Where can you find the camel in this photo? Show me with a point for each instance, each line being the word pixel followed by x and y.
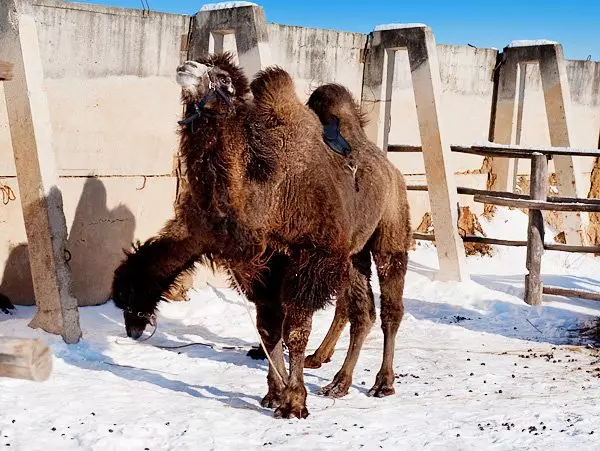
pixel 293 223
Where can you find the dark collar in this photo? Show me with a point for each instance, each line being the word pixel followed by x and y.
pixel 200 110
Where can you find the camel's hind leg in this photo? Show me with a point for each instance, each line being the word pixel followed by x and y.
pixel 362 262
pixel 325 351
pixel 391 268
pixel 360 304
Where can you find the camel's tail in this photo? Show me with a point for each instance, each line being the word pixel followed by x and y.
pixel 273 90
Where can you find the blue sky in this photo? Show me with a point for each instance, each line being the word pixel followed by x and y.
pixel 573 23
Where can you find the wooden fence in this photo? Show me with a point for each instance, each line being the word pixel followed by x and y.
pixel 536 202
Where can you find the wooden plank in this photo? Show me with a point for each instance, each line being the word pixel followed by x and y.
pixel 571 248
pixel 5 71
pixel 424 236
pixel 495 241
pixel 416 187
pixel 403 148
pixel 507 151
pixel 478 192
pixel 22 358
pixel 504 194
pixel 535 231
pixel 473 239
pixel 548 151
pixel 538 204
pixel 493 151
pixel 580 294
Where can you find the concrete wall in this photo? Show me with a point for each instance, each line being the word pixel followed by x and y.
pixel 315 56
pixel 114 106
pixel 467 87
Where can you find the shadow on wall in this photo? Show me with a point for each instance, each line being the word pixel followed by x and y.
pixel 96 241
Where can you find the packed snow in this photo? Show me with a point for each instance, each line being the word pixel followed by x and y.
pixel 476 369
pixel 398 26
pixel 225 5
pixel 529 43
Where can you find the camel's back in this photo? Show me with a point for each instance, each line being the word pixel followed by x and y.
pixel 316 187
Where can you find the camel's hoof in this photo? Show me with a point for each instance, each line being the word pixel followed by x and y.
pixel 271 400
pixel 312 362
pixel 384 385
pixel 382 390
pixel 288 411
pixel 338 387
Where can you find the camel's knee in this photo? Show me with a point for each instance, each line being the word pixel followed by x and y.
pixel 359 298
pixel 392 310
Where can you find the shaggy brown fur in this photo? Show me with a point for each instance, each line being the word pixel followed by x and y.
pixel 289 218
pixel 389 245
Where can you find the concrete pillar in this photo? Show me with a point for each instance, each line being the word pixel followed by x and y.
pixel 377 86
pixel 506 122
pixel 557 98
pixel 244 28
pixel 41 198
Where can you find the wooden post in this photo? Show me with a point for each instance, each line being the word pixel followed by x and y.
pixel 22 358
pixel 37 175
pixel 535 231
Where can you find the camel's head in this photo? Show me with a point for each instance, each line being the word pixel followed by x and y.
pixel 136 295
pixel 213 83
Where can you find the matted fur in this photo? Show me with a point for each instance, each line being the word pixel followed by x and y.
pixel 271 203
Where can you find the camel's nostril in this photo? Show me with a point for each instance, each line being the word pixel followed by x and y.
pixel 134 332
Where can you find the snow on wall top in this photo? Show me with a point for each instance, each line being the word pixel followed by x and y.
pixel 526 43
pixel 225 5
pixel 398 26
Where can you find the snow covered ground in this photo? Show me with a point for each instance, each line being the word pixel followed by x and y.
pixel 477 369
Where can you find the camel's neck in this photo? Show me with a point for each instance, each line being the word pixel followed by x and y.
pixel 212 154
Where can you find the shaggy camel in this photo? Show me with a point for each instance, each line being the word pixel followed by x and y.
pixel 292 222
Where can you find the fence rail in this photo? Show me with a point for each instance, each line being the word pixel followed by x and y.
pixel 536 202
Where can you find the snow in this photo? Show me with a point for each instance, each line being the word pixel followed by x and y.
pixel 529 43
pixel 225 5
pixel 398 26
pixel 477 369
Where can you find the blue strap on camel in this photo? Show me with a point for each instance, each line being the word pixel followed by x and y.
pixel 334 139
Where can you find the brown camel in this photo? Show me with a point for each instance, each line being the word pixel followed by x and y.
pixel 291 220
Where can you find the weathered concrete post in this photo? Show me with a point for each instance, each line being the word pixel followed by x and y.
pixel 506 121
pixel 41 199
pixel 557 98
pixel 217 30
pixel 379 70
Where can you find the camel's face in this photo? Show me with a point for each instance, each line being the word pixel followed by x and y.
pixel 137 312
pixel 198 81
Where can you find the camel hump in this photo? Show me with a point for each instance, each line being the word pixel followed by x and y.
pixel 273 86
pixel 334 100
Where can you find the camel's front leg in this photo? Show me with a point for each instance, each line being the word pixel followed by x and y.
pixel 296 330
pixel 313 277
pixel 149 271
